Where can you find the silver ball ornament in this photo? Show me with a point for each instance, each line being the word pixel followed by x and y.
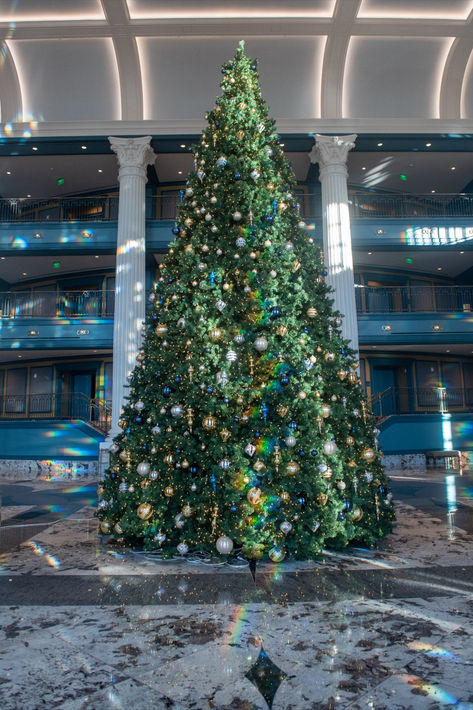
pixel 143 468
pixel 329 448
pixel 139 406
pixel 182 548
pixel 290 440
pixel 177 411
pixel 285 527
pixel 224 545
pixel 261 344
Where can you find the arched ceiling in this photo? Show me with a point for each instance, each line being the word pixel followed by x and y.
pixel 325 65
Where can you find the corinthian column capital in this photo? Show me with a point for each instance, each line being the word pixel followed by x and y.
pixel 134 155
pixel 331 152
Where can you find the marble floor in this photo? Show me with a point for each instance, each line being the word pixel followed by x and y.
pixel 85 625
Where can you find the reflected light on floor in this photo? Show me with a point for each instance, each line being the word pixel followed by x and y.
pixel 50 559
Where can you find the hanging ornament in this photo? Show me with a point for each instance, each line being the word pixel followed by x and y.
pixel 277 457
pixel 239 338
pixel 240 242
pixel 352 378
pixel 124 455
pixel 123 487
pixel 237 216
pixel 221 162
pixel 368 454
pixel 282 410
pixel 153 475
pixel 215 334
pixel 357 514
pixel 322 498
pixel 177 411
pixel 225 464
pixel 329 448
pixel 260 344
pixel 276 554
pixel 329 357
pixel 225 435
pixel 250 449
pixel 292 467
pixel 224 545
pixel 222 378
pixel 187 511
pixel 281 330
pixel 312 312
pixel 285 527
pixel 209 423
pixel 326 410
pixel 254 496
pixel 160 537
pixel 105 527
pixel 143 468
pixel 169 491
pixel 285 497
pixel 315 525
pixel 182 548
pixel 161 330
pixel 341 485
pixel 231 356
pixel 290 440
pixel 139 406
pixel 145 511
pixel 255 174
pixel 190 418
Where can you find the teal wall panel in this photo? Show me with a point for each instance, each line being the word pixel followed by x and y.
pixel 417 433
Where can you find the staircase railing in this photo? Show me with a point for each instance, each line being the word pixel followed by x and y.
pixel 423 400
pixel 61 406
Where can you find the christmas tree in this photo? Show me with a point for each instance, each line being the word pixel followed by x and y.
pixel 245 425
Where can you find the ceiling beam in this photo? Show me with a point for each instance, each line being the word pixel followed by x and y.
pixel 10 91
pixel 450 102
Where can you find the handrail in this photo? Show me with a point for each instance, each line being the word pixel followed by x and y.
pixel 68 405
pixel 164 206
pixel 52 304
pixel 414 299
pixel 417 400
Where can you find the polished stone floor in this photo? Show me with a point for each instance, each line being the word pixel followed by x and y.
pixel 84 625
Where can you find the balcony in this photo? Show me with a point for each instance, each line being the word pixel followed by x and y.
pixel 396 206
pixel 414 299
pixel 51 304
pixel 412 400
pixel 59 406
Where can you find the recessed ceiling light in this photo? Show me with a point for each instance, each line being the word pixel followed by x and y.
pixel 380 144
pixel 84 147
pixel 432 191
pixel 96 256
pixel 364 167
pixel 462 252
pixel 282 145
pixel 28 195
pixel 183 145
pixel 179 172
pixel 24 273
pixel 370 252
pixel 100 170
pixel 8 172
pixel 453 167
pixel 3 258
pixel 439 268
pixel 447 351
pixel 35 147
pixel 20 355
pixel 428 145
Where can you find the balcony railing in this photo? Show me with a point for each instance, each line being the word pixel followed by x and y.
pixel 104 208
pixel 414 299
pixel 51 304
pixel 72 405
pixel 429 400
pixel 376 205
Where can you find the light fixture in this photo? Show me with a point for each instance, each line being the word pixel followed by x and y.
pixel 3 258
pixel 100 170
pixel 363 167
pixel 439 268
pixel 86 234
pixel 380 231
pixel 428 145
pixel 35 147
pixel 369 253
pixel 84 147
pixel 28 195
pixel 33 332
pixel 380 144
pixel 20 355
pixel 56 264
pixel 436 327
pixel 385 327
pixel 82 331
pixel 96 256
pixel 179 172
pixel 8 172
pixel 183 145
pixel 453 167
pixel 432 191
pixel 447 351
pixel 282 145
pixel 24 273
pixel 37 235
pixel 462 252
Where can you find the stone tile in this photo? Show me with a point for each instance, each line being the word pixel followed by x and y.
pixel 125 694
pixel 409 692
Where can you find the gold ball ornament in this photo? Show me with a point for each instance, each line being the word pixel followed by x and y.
pixel 124 455
pixel 209 423
pixel 118 529
pixel 322 498
pixel 351 464
pixel 368 454
pixel 341 374
pixel 326 410
pixel 187 511
pixel 188 222
pixel 215 334
pixel 168 460
pixel 145 511
pixel 169 491
pixel 292 468
pixel 140 357
pixel 105 527
pixel 100 491
pixel 312 312
pixel 161 330
pixel 329 357
pixel 185 464
pixel 352 378
pixel 302 395
pixel 357 515
pixel 281 330
pixel 355 365
pixel 285 497
pixel 254 496
pixel 350 441
pixel 122 423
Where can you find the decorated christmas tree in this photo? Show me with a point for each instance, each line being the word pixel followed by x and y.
pixel 245 425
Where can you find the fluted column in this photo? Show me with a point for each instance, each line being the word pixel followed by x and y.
pixel 134 155
pixel 331 152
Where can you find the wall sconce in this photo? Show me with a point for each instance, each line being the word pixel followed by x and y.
pixel 385 327
pixel 380 231
pixel 436 327
pixel 87 234
pixel 33 332
pixel 82 331
pixel 37 235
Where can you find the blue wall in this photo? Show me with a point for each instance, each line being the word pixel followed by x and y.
pixel 417 433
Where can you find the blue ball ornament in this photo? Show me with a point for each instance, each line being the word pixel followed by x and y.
pixel 301 453
pixel 138 420
pixel 193 468
pixel 233 508
pixel 175 230
pixel 284 380
pixel 237 176
pixel 275 312
pixel 177 379
pixel 314 452
pixel 257 435
pixel 166 391
pixel 210 390
pixel 170 279
pixel 348 504
pixel 253 66
pixel 207 350
pixel 224 71
pixel 236 419
pixel 341 516
pixel 226 400
pixel 292 425
pixel 269 218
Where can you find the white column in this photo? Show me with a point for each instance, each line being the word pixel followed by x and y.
pixel 134 155
pixel 331 152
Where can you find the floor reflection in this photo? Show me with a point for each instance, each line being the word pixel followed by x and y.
pixel 96 626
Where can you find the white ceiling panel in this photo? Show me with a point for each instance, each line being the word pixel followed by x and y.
pixel 181 79
pixel 467 90
pixel 394 77
pixel 50 10
pixel 67 80
pixel 411 9
pixel 163 9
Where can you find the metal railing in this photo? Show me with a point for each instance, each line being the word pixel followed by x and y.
pixel 72 405
pixel 376 205
pixel 51 304
pixel 429 400
pixel 104 208
pixel 414 299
